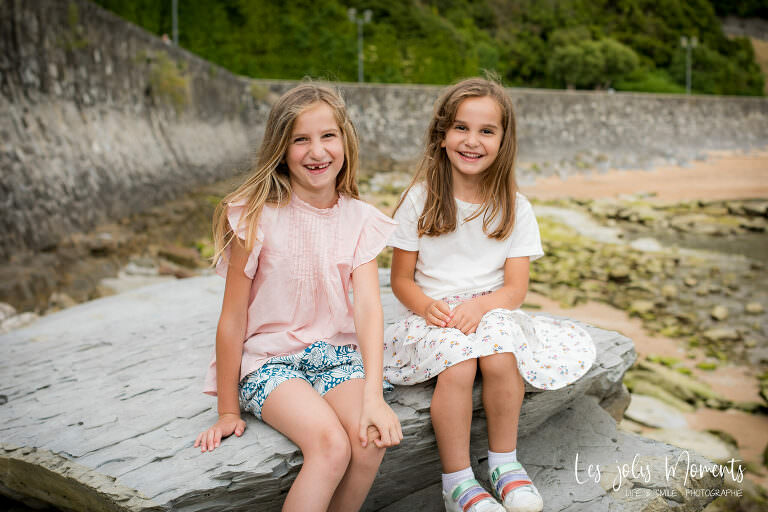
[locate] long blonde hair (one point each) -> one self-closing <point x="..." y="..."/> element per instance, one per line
<point x="498" y="185"/>
<point x="269" y="178"/>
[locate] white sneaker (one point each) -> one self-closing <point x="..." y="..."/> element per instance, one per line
<point x="512" y="486"/>
<point x="469" y="496"/>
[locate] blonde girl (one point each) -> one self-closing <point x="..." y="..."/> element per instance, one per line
<point x="291" y="241"/>
<point x="460" y="266"/>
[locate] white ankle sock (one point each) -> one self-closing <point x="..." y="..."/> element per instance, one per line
<point x="497" y="459"/>
<point x="451" y="480"/>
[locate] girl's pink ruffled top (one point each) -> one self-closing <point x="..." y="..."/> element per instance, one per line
<point x="302" y="270"/>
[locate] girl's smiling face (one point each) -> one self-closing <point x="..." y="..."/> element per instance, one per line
<point x="473" y="139"/>
<point x="315" y="155"/>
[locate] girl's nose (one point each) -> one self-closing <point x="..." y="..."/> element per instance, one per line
<point x="316" y="149"/>
<point x="471" y="138"/>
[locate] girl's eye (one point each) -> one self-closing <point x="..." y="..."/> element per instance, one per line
<point x="329" y="135"/>
<point x="488" y="132"/>
<point x="460" y="127"/>
<point x="299" y="139"/>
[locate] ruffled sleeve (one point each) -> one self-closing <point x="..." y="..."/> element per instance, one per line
<point x="235" y="212"/>
<point x="376" y="229"/>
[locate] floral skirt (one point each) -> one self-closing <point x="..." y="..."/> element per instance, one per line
<point x="550" y="353"/>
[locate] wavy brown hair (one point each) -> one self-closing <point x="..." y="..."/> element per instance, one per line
<point x="269" y="179"/>
<point x="497" y="187"/>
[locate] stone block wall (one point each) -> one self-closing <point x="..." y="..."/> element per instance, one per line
<point x="629" y="129"/>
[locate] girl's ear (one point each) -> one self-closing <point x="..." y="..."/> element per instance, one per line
<point x="442" y="143"/>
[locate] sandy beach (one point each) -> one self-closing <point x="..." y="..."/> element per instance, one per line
<point x="723" y="175"/>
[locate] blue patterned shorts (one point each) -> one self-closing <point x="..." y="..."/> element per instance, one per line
<point x="322" y="365"/>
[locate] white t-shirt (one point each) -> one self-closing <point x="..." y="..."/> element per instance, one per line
<point x="466" y="260"/>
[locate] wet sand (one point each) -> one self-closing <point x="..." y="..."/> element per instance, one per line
<point x="723" y="175"/>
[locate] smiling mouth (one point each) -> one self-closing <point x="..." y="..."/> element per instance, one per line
<point x="469" y="156"/>
<point x="317" y="168"/>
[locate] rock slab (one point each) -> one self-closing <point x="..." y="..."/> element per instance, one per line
<point x="101" y="403"/>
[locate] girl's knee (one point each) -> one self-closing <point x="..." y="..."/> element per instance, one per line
<point x="366" y="459"/>
<point x="460" y="374"/>
<point x="330" y="445"/>
<point x="502" y="365"/>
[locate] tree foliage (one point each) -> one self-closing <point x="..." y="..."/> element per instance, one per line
<point x="534" y="43"/>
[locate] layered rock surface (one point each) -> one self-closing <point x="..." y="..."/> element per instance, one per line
<point x="100" y="403"/>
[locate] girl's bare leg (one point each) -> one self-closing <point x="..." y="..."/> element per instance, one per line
<point x="503" y="391"/>
<point x="347" y="399"/>
<point x="316" y="430"/>
<point x="452" y="414"/>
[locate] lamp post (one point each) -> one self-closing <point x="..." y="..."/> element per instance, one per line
<point x="688" y="44"/>
<point x="175" y="21"/>
<point x="365" y="18"/>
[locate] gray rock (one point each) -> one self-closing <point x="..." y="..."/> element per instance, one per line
<point x="60" y="300"/>
<point x="104" y="403"/>
<point x="652" y="412"/>
<point x="669" y="291"/>
<point x="646" y="244"/>
<point x="642" y="308"/>
<point x="722" y="334"/>
<point x="17" y="321"/>
<point x="706" y="444"/>
<point x="684" y="387"/>
<point x="134" y="268"/>
<point x="719" y="313"/>
<point x="616" y="403"/>
<point x="6" y="311"/>
<point x="756" y="208"/>
<point x="131" y="281"/>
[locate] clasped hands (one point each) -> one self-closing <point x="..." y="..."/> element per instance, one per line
<point x="379" y="425"/>
<point x="464" y="317"/>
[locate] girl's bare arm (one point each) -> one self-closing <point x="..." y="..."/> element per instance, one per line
<point x="230" y="336"/>
<point x="369" y="325"/>
<point x="512" y="294"/>
<point x="408" y="292"/>
<point x="466" y="316"/>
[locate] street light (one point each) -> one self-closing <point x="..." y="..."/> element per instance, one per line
<point x="366" y="18"/>
<point x="688" y="45"/>
<point x="175" y="21"/>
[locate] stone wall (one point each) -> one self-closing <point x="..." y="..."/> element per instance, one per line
<point x="99" y="119"/>
<point x="628" y="129"/>
<point x="746" y="27"/>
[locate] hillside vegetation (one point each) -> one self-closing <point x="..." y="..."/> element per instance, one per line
<point x="585" y="44"/>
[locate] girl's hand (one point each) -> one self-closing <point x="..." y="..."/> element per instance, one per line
<point x="228" y="424"/>
<point x="377" y="415"/>
<point x="438" y="313"/>
<point x="467" y="316"/>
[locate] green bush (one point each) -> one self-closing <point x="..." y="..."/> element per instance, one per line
<point x="592" y="64"/>
<point x="619" y="60"/>
<point x="644" y="80"/>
